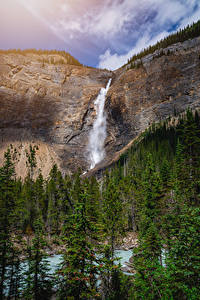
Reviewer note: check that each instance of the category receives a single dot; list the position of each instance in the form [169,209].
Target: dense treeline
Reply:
[60,212]
[67,58]
[153,190]
[189,32]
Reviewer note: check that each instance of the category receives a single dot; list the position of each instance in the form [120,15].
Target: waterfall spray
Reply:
[97,135]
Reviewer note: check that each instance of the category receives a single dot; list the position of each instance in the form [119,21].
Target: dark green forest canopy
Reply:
[154,190]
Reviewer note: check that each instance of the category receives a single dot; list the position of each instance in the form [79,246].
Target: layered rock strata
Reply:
[52,106]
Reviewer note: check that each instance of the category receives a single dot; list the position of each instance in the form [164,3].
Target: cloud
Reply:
[115,29]
[106,19]
[114,61]
[168,14]
[113,19]
[190,19]
[103,19]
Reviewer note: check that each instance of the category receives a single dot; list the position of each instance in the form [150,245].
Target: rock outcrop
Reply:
[161,87]
[52,106]
[48,105]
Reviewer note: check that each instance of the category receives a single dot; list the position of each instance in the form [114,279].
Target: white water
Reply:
[97,135]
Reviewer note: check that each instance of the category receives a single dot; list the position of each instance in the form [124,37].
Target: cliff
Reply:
[163,85]
[52,105]
[48,105]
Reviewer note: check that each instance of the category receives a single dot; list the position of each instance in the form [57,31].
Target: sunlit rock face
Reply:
[53,105]
[49,105]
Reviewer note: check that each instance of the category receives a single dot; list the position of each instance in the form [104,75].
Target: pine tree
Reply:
[112,209]
[54,201]
[79,268]
[190,138]
[113,283]
[37,284]
[28,205]
[183,262]
[148,255]
[14,271]
[93,200]
[7,205]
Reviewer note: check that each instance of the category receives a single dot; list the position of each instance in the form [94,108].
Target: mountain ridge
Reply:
[52,105]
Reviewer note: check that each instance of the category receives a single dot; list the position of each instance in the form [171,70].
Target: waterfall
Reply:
[97,135]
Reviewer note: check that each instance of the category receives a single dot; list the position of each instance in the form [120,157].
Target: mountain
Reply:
[165,83]
[49,105]
[148,202]
[48,100]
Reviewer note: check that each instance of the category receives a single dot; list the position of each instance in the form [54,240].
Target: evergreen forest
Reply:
[153,190]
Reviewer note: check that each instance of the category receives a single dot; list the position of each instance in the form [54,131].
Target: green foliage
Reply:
[114,284]
[112,209]
[7,203]
[79,267]
[154,190]
[37,284]
[183,258]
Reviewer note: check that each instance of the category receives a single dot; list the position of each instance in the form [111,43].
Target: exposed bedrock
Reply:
[52,106]
[163,86]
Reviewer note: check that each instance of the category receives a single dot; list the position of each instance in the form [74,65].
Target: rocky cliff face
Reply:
[52,105]
[48,105]
[162,86]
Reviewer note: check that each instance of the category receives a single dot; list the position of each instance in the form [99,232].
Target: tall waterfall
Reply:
[98,133]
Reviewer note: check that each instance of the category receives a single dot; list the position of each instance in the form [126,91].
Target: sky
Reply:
[99,33]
